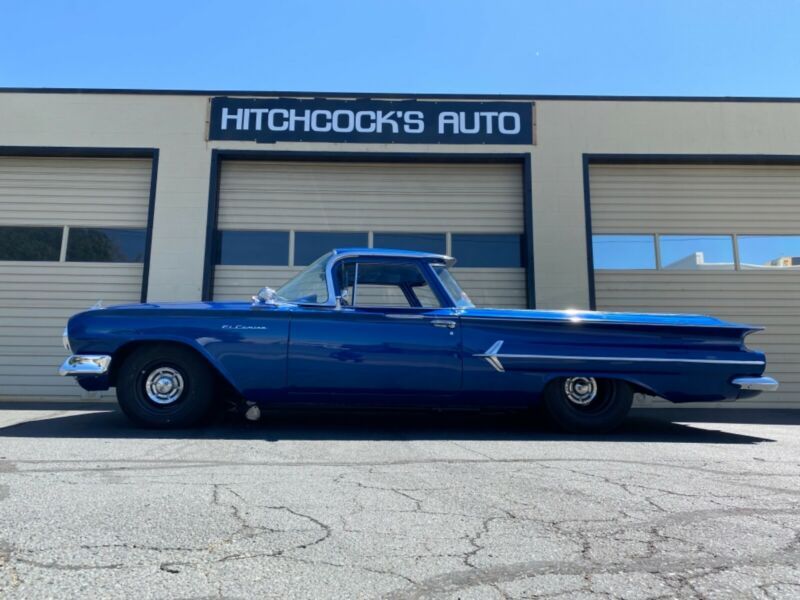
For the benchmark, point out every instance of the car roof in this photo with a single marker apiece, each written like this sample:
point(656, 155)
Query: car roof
point(394, 253)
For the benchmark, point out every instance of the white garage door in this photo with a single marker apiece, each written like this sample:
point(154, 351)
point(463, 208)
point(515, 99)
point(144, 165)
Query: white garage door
point(722, 240)
point(275, 217)
point(72, 232)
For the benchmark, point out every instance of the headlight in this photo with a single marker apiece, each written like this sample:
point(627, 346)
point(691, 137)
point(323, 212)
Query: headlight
point(65, 339)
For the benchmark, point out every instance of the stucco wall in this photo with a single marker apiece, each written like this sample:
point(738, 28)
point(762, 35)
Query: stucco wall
point(565, 130)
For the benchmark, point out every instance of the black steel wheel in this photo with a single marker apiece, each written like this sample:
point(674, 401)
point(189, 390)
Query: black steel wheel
point(164, 385)
point(586, 404)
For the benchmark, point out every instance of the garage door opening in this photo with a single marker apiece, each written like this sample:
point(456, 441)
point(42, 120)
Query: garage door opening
point(275, 217)
point(715, 239)
point(72, 231)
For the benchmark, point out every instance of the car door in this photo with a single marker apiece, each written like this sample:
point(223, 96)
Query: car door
point(393, 335)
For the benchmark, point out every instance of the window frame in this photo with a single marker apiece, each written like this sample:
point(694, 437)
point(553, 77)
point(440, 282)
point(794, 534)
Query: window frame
point(656, 253)
point(659, 251)
point(422, 266)
point(454, 240)
point(299, 233)
point(58, 253)
point(71, 228)
point(761, 268)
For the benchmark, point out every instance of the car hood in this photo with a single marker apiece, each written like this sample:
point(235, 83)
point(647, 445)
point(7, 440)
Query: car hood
point(600, 317)
point(182, 306)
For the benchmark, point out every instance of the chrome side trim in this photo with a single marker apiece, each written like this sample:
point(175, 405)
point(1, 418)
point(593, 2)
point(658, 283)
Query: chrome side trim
point(712, 361)
point(764, 384)
point(85, 364)
point(493, 356)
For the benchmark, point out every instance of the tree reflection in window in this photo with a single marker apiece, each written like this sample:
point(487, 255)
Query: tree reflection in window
point(106, 245)
point(30, 243)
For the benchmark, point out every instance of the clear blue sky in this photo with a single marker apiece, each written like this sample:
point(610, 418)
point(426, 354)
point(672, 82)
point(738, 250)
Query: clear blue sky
point(631, 47)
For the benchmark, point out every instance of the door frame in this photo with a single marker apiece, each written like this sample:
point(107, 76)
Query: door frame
point(218, 156)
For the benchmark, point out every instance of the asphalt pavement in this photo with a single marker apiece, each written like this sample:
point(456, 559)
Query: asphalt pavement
point(381, 505)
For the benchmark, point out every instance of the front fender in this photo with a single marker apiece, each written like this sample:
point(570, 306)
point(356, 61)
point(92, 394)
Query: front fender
point(248, 349)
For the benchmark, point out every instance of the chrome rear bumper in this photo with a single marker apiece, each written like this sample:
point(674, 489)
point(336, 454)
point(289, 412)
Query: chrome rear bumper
point(85, 364)
point(762, 384)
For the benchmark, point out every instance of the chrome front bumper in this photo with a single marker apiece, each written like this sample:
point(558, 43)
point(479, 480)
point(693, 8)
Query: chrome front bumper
point(762, 384)
point(85, 364)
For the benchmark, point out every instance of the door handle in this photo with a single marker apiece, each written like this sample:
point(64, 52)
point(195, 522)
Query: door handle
point(443, 323)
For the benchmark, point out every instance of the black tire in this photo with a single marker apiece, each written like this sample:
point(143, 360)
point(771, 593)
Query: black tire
point(165, 364)
point(604, 413)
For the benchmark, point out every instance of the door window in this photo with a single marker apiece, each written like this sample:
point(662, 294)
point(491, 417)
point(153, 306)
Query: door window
point(383, 284)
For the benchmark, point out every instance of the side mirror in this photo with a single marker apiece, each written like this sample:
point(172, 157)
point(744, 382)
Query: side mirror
point(341, 300)
point(266, 295)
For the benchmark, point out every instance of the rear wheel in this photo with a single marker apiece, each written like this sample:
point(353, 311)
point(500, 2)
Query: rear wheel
point(587, 404)
point(165, 386)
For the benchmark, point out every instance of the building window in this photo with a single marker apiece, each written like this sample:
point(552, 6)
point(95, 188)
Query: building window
point(624, 251)
point(310, 245)
point(422, 242)
point(106, 245)
point(488, 250)
point(30, 243)
point(769, 251)
point(696, 252)
point(268, 248)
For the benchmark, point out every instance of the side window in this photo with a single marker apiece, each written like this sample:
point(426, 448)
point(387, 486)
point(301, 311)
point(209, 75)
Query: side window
point(390, 285)
point(381, 295)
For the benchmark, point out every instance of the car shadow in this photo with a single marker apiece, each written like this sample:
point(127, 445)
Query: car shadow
point(643, 425)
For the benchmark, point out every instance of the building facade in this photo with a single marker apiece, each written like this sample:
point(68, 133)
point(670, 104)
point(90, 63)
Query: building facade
point(646, 204)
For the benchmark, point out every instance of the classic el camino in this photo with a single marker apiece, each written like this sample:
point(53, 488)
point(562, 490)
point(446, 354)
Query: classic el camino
point(370, 327)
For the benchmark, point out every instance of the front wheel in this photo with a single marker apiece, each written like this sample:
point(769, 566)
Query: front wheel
point(587, 404)
point(165, 386)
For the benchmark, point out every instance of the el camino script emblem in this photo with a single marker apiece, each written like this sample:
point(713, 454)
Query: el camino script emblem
point(226, 326)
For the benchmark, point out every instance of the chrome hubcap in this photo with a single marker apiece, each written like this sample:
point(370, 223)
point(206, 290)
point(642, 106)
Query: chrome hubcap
point(164, 385)
point(580, 390)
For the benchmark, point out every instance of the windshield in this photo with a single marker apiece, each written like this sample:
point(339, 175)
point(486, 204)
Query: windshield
point(309, 286)
point(458, 295)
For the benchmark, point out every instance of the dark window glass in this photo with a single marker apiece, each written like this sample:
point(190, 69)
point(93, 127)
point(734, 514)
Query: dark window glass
point(105, 245)
point(421, 242)
point(488, 250)
point(310, 245)
point(252, 248)
point(624, 251)
point(30, 243)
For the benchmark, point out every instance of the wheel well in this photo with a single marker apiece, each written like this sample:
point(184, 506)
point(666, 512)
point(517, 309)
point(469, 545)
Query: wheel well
point(636, 387)
point(124, 351)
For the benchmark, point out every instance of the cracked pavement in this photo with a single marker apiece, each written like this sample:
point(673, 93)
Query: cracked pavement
point(399, 506)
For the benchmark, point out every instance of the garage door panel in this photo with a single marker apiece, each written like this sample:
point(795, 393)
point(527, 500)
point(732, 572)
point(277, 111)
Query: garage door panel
point(693, 198)
point(237, 283)
point(503, 288)
point(724, 200)
point(427, 197)
point(371, 197)
point(37, 298)
point(104, 191)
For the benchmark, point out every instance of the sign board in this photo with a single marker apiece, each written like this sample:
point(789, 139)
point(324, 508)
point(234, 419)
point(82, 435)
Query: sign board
point(370, 121)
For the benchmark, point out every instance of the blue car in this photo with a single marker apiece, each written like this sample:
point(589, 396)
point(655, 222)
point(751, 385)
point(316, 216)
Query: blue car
point(364, 327)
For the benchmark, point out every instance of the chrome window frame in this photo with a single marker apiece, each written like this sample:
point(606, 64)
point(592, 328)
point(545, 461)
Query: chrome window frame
point(433, 279)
